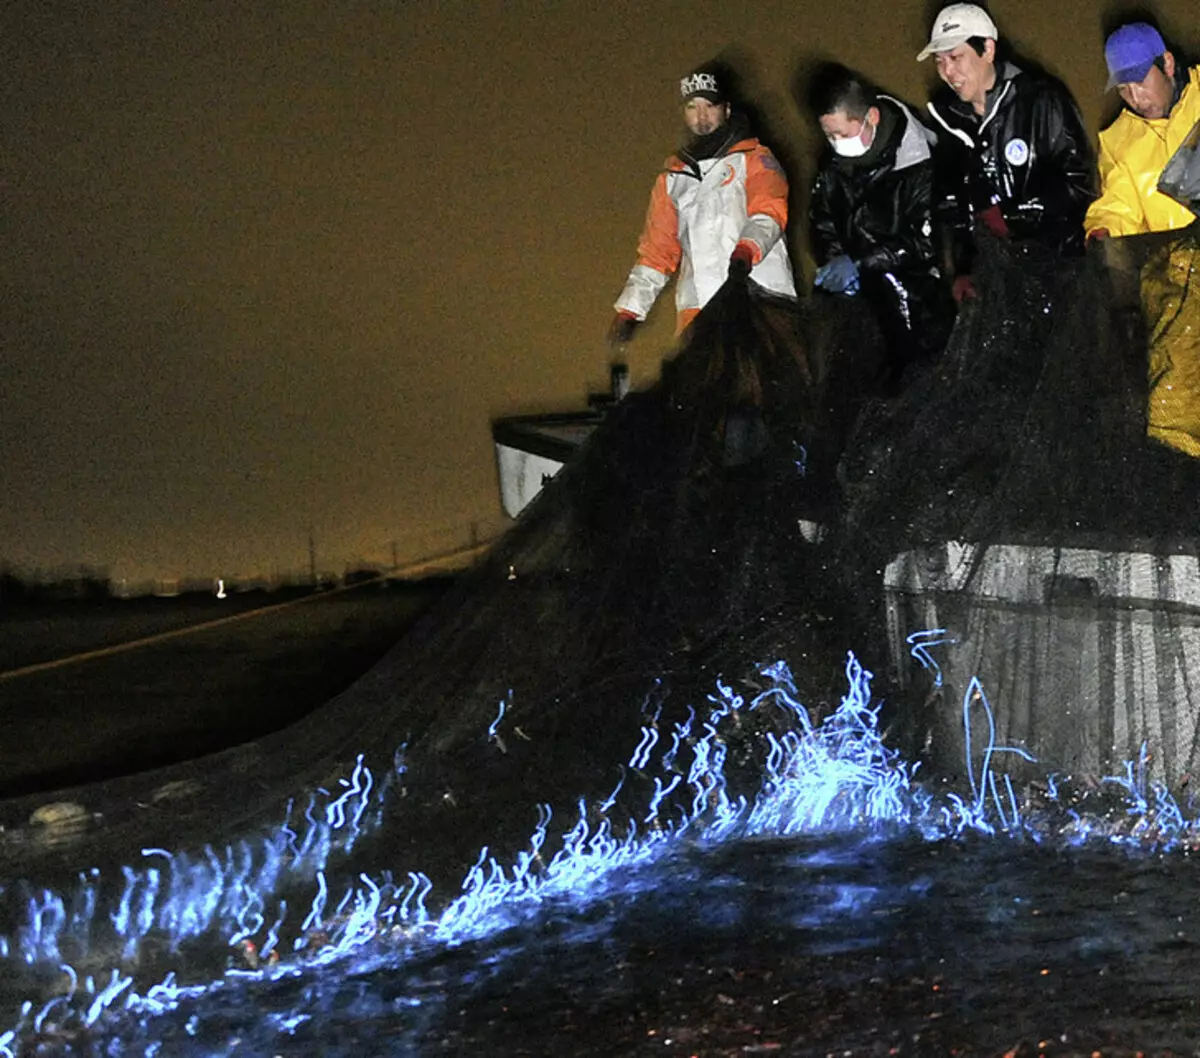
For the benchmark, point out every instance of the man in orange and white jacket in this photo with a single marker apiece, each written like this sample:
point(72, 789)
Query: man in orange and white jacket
point(720, 204)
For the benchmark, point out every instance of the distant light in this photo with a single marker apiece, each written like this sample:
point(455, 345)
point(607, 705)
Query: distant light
point(220, 588)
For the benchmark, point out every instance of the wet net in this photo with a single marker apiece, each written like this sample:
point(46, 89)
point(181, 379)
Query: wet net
point(1008, 530)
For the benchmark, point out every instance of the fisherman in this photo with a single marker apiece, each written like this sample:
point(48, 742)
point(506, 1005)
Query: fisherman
point(1012, 159)
point(870, 216)
point(720, 205)
point(1162, 108)
point(1162, 105)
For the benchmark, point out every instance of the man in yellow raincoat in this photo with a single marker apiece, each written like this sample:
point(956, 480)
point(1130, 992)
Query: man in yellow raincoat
point(1162, 103)
point(1162, 106)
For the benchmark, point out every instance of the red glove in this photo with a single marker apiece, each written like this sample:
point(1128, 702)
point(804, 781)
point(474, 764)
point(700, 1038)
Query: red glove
point(744, 257)
point(992, 219)
point(1097, 235)
point(963, 289)
point(620, 331)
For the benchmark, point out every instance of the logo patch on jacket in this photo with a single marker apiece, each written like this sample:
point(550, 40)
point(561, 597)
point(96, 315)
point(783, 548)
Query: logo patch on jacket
point(1017, 152)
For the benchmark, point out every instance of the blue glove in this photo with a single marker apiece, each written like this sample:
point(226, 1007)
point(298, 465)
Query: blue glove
point(838, 276)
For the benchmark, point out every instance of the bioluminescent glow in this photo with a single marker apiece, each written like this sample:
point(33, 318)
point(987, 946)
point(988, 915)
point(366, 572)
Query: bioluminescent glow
point(921, 643)
point(167, 929)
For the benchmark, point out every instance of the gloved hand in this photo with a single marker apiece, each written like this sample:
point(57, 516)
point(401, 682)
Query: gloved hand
point(963, 289)
point(838, 276)
point(742, 260)
point(1097, 235)
point(992, 219)
point(620, 331)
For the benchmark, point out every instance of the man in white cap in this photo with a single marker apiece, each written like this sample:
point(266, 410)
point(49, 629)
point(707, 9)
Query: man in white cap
point(720, 204)
point(1162, 105)
point(1012, 159)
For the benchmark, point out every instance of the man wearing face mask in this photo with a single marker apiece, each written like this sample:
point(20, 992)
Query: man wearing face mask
point(1013, 158)
point(870, 216)
point(1162, 105)
point(718, 208)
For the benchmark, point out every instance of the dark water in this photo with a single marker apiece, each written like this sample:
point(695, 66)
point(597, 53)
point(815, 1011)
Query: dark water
point(834, 906)
point(824, 945)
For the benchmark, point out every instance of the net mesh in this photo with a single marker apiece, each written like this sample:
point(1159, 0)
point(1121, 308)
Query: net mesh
point(760, 502)
point(1006, 517)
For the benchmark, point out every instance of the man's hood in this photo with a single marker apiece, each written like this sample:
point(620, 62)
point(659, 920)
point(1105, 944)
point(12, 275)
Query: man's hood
point(916, 141)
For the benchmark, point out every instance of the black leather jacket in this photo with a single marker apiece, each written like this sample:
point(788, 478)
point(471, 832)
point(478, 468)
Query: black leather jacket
point(876, 208)
point(1028, 153)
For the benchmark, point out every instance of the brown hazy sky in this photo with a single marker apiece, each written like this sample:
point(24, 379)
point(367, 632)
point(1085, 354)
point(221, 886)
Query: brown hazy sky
point(279, 265)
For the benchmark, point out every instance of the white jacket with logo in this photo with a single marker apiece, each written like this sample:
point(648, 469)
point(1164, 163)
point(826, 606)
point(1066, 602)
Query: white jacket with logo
point(700, 211)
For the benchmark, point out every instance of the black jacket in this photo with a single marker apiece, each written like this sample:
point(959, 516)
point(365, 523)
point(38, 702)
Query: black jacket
point(1029, 154)
point(876, 208)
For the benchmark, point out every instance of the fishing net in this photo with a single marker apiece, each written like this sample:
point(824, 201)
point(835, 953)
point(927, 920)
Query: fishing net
point(669, 553)
point(1003, 532)
point(1018, 504)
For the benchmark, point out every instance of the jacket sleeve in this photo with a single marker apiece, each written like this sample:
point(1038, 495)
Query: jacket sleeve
point(824, 237)
point(911, 242)
point(1119, 207)
point(1066, 182)
point(766, 201)
point(659, 254)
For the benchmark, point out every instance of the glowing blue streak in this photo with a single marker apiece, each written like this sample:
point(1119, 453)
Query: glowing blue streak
point(57, 1000)
point(499, 716)
point(682, 730)
point(39, 939)
point(659, 793)
point(802, 462)
point(105, 998)
point(837, 774)
point(318, 904)
point(641, 755)
point(273, 934)
point(974, 693)
point(611, 799)
point(359, 785)
point(920, 644)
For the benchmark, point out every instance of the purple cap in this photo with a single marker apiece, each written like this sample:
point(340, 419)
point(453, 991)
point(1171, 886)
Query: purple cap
point(1130, 52)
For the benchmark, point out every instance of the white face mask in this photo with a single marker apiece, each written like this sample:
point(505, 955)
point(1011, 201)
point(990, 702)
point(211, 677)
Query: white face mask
point(853, 146)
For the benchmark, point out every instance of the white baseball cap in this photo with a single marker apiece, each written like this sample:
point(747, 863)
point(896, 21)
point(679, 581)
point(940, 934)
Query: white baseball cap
point(957, 24)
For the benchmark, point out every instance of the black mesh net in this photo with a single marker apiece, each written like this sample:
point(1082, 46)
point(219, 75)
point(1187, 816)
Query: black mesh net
point(1013, 501)
point(759, 503)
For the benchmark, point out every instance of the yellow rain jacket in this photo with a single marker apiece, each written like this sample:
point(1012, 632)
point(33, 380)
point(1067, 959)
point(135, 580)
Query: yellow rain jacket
point(1171, 302)
point(1133, 154)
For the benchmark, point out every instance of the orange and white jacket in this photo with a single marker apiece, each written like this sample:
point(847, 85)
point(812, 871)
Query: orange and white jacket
point(695, 220)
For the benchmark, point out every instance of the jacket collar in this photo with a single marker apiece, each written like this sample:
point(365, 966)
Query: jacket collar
point(685, 163)
point(717, 143)
point(1006, 73)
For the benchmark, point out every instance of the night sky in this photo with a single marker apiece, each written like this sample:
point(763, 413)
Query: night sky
point(277, 266)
